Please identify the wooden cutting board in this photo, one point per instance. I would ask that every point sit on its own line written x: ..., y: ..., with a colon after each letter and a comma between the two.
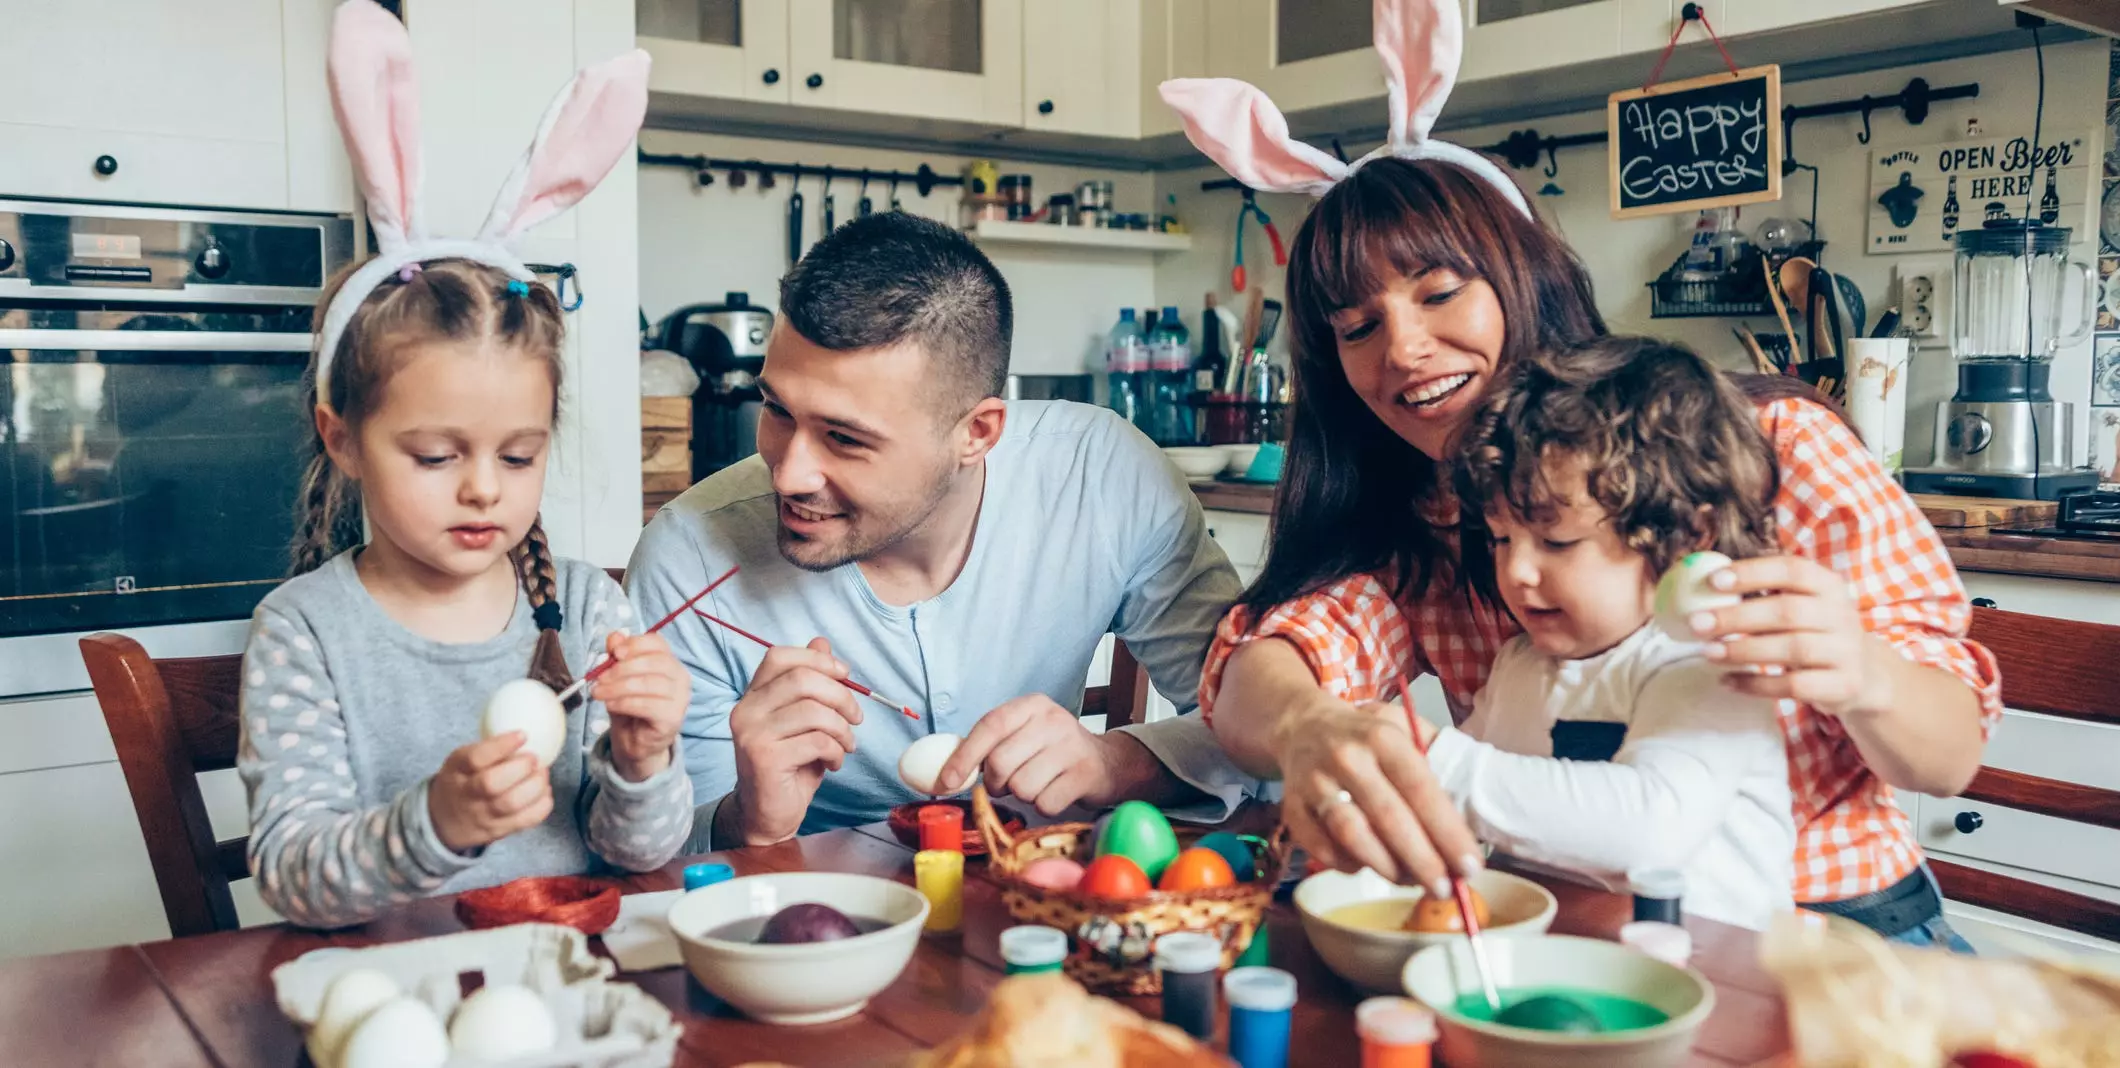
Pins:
x: 1947, y: 512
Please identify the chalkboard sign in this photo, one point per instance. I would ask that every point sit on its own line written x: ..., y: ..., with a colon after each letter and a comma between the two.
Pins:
x: 1700, y: 143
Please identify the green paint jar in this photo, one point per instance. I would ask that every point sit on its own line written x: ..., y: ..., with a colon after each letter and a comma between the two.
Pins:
x: 1033, y: 950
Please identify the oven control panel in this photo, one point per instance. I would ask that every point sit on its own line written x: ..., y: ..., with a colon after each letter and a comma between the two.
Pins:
x: 97, y: 251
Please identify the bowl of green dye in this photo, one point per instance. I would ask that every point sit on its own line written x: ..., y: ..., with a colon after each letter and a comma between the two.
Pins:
x: 1586, y: 1003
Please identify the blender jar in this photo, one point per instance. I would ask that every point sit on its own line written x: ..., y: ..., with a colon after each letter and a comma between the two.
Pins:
x: 2010, y: 280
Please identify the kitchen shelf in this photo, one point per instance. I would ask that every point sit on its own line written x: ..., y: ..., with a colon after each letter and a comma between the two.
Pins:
x: 996, y: 232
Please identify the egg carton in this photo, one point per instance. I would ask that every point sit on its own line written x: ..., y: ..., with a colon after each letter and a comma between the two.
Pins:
x: 601, y: 1023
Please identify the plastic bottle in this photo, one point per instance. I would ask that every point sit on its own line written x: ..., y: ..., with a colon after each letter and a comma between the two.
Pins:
x: 1170, y: 356
x: 1125, y: 365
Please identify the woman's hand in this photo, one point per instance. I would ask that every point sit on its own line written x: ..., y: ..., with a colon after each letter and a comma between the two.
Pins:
x: 647, y: 693
x: 1359, y: 794
x: 1796, y: 635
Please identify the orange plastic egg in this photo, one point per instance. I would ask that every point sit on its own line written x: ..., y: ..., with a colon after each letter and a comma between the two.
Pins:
x: 1439, y: 915
x: 1197, y: 869
x: 1115, y: 877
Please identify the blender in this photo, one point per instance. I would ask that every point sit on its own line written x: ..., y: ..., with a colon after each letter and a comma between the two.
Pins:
x: 2003, y: 434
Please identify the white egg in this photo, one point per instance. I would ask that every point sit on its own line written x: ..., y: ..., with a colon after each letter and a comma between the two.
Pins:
x: 1684, y: 590
x: 922, y: 762
x: 347, y: 1001
x: 500, y: 1022
x: 531, y: 707
x: 401, y: 1033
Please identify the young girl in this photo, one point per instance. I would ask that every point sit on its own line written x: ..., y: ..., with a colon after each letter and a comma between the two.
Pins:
x: 437, y: 385
x: 1584, y: 478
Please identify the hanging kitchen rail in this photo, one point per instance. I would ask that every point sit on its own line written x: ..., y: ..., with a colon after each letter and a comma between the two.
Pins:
x: 925, y: 180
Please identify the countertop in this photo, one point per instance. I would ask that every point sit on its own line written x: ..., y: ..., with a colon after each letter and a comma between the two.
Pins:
x: 1969, y: 528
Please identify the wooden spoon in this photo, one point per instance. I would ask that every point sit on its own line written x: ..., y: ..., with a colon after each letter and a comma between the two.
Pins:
x: 1781, y: 310
x: 1796, y: 279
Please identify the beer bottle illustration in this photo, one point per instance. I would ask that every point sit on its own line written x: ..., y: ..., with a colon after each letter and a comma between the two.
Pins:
x: 2050, y: 203
x: 1950, y: 207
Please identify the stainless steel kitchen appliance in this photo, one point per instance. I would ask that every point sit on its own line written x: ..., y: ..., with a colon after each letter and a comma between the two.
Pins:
x: 152, y: 423
x: 726, y: 344
x: 2003, y: 434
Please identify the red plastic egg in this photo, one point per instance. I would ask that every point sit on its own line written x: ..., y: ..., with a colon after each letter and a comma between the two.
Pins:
x: 1197, y: 869
x: 1114, y: 877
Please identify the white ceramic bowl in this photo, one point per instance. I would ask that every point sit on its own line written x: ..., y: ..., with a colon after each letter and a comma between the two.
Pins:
x: 1438, y: 975
x: 1198, y: 461
x: 798, y: 984
x: 1240, y: 457
x: 1372, y: 959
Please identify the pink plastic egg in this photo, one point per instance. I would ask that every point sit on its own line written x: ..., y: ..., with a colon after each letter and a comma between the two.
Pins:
x: 1053, y: 873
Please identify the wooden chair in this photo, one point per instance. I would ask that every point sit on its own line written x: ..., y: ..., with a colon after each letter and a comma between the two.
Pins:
x: 2058, y: 667
x: 170, y: 720
x: 1123, y: 701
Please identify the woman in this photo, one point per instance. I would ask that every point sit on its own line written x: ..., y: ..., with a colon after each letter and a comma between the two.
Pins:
x: 1411, y: 284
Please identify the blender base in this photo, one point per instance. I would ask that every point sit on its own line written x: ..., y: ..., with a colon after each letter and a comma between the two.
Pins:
x: 2051, y: 485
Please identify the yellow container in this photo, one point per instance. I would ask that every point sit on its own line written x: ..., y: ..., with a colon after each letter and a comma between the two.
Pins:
x: 939, y: 874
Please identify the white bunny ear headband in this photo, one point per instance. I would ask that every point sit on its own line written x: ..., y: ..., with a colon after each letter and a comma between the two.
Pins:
x: 375, y: 96
x: 1420, y: 43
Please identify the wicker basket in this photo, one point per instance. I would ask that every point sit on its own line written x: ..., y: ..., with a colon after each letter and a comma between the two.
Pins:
x: 1112, y: 941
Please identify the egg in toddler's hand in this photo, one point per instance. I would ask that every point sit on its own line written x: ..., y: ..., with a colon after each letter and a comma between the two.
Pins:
x: 1684, y: 590
x: 921, y: 763
x: 502, y: 1022
x: 531, y: 707
x: 402, y: 1033
x: 347, y: 1001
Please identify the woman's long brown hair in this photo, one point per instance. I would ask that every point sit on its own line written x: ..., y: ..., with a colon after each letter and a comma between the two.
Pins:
x: 1352, y: 497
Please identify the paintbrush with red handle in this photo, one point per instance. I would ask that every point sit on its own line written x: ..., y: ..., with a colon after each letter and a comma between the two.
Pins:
x: 597, y: 671
x: 1459, y: 888
x: 848, y: 683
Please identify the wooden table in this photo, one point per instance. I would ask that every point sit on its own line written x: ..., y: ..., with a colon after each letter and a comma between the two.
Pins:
x: 208, y: 1001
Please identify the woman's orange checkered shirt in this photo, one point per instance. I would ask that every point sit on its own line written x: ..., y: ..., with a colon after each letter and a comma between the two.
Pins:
x: 1837, y: 506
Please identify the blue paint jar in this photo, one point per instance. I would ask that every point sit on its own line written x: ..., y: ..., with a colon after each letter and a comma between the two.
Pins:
x: 1261, y: 1003
x: 698, y: 875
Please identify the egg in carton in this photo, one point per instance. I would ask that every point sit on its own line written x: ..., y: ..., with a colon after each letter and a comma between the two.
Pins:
x: 594, y: 1021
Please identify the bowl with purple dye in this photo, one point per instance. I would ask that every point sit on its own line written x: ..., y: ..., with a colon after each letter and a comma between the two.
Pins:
x: 798, y: 947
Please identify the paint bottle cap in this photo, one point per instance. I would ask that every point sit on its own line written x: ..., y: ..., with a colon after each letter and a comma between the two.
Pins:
x: 1394, y: 1022
x: 1033, y: 947
x: 698, y: 875
x: 1660, y: 884
x: 1259, y: 989
x: 1667, y: 942
x: 942, y: 827
x: 1187, y: 952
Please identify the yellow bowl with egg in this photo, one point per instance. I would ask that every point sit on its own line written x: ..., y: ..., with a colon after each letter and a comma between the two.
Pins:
x: 1354, y: 921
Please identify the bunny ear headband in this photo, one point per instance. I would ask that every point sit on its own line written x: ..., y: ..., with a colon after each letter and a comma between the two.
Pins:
x: 1420, y: 43
x: 375, y: 96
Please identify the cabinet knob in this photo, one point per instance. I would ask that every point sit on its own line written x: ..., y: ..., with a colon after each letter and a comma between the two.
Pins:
x: 1985, y: 602
x: 771, y: 76
x: 814, y: 81
x: 1045, y: 107
x: 106, y: 165
x: 7, y: 255
x: 212, y: 262
x: 1968, y: 822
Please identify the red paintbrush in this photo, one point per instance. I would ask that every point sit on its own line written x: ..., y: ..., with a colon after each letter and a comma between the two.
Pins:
x: 593, y: 673
x: 1459, y: 888
x: 848, y: 683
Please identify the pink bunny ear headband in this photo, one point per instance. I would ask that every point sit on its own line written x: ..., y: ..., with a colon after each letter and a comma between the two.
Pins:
x: 375, y: 96
x: 1420, y: 43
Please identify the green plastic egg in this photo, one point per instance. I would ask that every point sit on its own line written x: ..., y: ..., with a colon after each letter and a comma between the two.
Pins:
x: 1236, y: 851
x: 1137, y: 831
x: 1548, y: 1012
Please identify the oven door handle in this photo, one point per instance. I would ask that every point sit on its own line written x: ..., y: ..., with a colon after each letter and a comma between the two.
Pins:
x: 154, y: 341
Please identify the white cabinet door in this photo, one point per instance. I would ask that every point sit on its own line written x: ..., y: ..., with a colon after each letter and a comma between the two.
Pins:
x: 1303, y: 53
x: 1504, y: 37
x: 1082, y: 67
x: 145, y: 168
x: 1733, y: 17
x: 1173, y: 45
x: 319, y: 178
x: 735, y: 49
x: 937, y: 59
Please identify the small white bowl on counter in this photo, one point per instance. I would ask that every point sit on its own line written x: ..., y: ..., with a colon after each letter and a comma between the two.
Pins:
x: 1199, y: 462
x: 1240, y: 457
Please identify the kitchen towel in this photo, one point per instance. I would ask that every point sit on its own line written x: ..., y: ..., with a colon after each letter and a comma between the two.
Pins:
x: 640, y: 939
x: 1877, y: 397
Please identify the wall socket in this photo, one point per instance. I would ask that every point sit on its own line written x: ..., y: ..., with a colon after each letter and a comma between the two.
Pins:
x: 1924, y: 298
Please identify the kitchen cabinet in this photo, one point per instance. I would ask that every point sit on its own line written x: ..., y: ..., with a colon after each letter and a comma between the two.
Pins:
x: 1173, y: 45
x: 1303, y: 53
x: 1504, y: 37
x: 1733, y: 17
x: 1082, y: 67
x: 735, y: 49
x: 929, y: 59
x: 194, y: 103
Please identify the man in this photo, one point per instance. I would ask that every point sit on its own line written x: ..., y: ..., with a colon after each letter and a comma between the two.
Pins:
x: 955, y: 552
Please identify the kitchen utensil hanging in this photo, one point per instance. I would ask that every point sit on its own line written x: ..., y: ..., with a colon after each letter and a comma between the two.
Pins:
x: 795, y: 222
x: 1250, y: 208
x: 828, y: 218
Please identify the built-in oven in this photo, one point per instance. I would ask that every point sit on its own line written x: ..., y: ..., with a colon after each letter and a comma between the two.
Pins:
x: 152, y: 423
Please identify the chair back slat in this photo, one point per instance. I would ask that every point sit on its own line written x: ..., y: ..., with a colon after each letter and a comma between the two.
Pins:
x: 2059, y: 667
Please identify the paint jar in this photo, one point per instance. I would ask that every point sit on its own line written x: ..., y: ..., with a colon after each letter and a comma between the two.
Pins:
x: 1015, y: 190
x: 1657, y: 892
x: 698, y: 875
x: 939, y: 875
x: 1261, y: 1003
x: 942, y: 828
x: 1033, y: 950
x: 1667, y: 942
x: 1395, y: 1033
x: 1188, y: 962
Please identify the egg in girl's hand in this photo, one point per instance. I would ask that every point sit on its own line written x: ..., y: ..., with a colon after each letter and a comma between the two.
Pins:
x: 347, y: 1001
x: 500, y: 1022
x: 1684, y: 590
x: 531, y: 707
x: 921, y: 763
x: 1440, y: 915
x: 1053, y: 873
x: 402, y: 1033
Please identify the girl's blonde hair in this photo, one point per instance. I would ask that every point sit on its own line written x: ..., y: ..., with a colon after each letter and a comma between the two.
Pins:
x: 448, y: 300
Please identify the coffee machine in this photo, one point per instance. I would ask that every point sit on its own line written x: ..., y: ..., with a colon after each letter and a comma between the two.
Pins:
x: 726, y: 344
x: 2003, y: 434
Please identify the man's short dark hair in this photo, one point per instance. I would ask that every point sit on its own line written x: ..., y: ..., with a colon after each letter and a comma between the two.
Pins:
x: 895, y: 277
